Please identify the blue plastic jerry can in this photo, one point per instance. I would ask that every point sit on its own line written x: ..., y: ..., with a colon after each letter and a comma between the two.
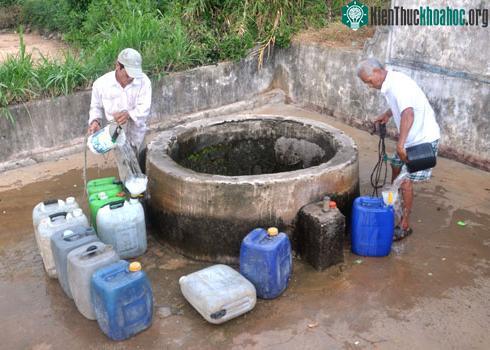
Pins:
x: 372, y: 227
x: 266, y: 261
x: 122, y: 298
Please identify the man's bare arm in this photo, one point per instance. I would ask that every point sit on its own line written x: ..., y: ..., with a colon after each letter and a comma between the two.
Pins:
x: 405, y: 126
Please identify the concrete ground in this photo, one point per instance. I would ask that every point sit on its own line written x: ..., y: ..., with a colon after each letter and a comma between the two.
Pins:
x: 432, y: 292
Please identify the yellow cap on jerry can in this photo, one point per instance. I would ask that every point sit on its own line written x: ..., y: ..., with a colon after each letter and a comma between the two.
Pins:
x: 272, y: 231
x: 135, y: 266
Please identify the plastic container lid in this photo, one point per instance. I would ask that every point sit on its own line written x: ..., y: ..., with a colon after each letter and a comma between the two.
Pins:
x: 332, y: 205
x: 272, y: 231
x: 70, y: 200
x: 390, y: 197
x: 77, y: 212
x: 68, y: 233
x: 135, y: 266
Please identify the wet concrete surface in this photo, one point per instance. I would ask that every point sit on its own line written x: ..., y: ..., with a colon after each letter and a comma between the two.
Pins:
x: 432, y: 292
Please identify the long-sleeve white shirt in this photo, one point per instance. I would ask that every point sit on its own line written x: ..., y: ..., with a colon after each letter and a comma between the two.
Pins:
x: 108, y: 97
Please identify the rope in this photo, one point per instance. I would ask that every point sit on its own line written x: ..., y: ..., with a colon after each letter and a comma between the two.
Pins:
x: 381, y: 163
x: 85, y: 193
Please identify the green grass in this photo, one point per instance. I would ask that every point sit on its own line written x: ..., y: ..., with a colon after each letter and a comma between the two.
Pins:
x: 172, y: 35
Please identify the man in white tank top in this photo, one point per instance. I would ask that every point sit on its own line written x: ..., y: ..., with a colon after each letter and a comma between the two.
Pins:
x: 414, y: 119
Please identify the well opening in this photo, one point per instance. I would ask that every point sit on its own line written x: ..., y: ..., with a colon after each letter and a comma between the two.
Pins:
x: 252, y: 148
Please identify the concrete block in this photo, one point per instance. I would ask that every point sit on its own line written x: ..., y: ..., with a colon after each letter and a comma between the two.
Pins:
x: 320, y: 235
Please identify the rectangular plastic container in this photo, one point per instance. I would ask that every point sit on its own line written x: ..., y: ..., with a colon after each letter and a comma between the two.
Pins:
x: 218, y: 293
x: 54, y: 223
x: 420, y: 157
x: 62, y: 243
x: 372, y: 227
x: 122, y: 225
x: 123, y: 300
x: 100, y: 199
x: 82, y: 263
x: 44, y: 209
x: 103, y: 184
x: 266, y: 261
x: 48, y: 207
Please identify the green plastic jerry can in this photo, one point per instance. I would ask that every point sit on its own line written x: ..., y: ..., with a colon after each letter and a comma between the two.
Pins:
x: 103, y: 184
x: 98, y: 200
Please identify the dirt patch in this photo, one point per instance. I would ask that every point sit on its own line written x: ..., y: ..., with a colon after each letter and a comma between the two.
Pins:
x: 36, y: 45
x: 337, y: 35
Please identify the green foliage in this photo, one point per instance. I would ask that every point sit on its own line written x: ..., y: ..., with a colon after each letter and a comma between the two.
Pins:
x: 6, y: 3
x: 49, y: 15
x: 60, y: 78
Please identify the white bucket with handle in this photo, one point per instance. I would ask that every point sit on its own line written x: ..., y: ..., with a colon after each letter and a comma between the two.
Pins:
x: 102, y: 141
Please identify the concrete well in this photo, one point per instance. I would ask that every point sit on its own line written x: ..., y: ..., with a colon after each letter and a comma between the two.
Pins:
x: 212, y: 181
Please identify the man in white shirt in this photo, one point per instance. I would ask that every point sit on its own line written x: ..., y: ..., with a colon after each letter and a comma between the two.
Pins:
x: 123, y: 96
x: 414, y: 119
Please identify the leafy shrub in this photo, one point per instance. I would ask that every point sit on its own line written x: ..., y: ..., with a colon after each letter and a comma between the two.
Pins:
x: 49, y: 15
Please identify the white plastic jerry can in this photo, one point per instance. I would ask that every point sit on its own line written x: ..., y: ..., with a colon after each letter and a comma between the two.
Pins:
x: 122, y: 225
x: 54, y: 223
x: 62, y: 243
x: 218, y: 293
x: 82, y: 263
x: 44, y: 209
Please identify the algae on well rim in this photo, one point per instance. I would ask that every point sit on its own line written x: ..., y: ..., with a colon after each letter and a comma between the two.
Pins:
x: 255, y: 156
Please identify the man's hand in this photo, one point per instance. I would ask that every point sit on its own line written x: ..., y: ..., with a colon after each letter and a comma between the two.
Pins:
x: 383, y: 118
x: 93, y: 127
x: 402, y: 153
x: 121, y: 117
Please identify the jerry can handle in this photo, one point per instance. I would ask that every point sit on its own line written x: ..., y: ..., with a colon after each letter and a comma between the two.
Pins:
x: 92, y: 250
x: 218, y: 314
x: 50, y: 201
x: 55, y: 215
x: 371, y: 202
x: 90, y: 231
x: 118, y: 204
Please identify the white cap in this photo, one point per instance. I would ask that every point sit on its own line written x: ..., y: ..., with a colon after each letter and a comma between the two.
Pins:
x: 68, y: 233
x: 70, y: 200
x: 131, y: 59
x: 77, y: 212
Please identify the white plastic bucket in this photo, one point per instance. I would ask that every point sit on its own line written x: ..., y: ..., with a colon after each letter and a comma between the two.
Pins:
x: 101, y: 141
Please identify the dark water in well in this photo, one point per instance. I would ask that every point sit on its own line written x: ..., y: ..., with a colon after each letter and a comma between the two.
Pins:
x: 249, y: 157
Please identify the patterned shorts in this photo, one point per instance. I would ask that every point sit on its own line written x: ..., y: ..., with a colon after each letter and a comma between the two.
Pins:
x: 423, y: 175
